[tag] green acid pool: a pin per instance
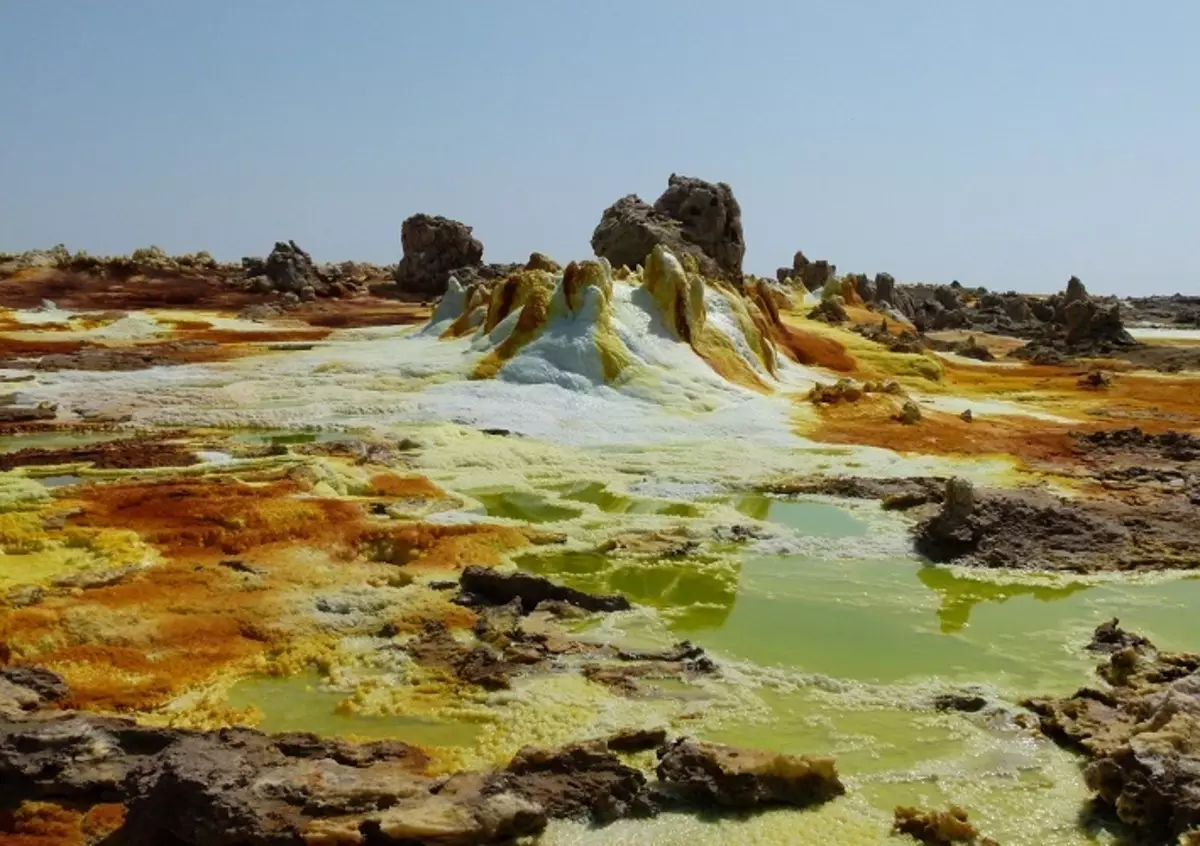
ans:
(842, 653)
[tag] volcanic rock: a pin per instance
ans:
(1142, 734)
(1027, 529)
(692, 218)
(483, 585)
(583, 779)
(435, 247)
(290, 269)
(713, 774)
(46, 686)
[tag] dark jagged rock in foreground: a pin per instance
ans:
(1035, 530)
(1142, 734)
(239, 786)
(485, 585)
(692, 218)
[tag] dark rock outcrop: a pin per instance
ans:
(811, 274)
(1142, 734)
(692, 218)
(434, 248)
(239, 786)
(47, 686)
(1077, 324)
(1027, 529)
(291, 270)
(483, 585)
(712, 774)
(580, 780)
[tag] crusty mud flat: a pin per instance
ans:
(639, 548)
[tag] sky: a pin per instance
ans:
(1007, 144)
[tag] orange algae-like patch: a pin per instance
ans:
(800, 345)
(182, 325)
(136, 644)
(102, 820)
(22, 348)
(814, 350)
(430, 546)
(215, 515)
(869, 422)
(47, 824)
(391, 485)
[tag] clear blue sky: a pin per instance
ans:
(1009, 144)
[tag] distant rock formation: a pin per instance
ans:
(1076, 324)
(435, 247)
(691, 218)
(290, 268)
(811, 274)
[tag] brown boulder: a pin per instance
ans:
(746, 778)
(692, 217)
(434, 247)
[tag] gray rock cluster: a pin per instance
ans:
(692, 218)
(290, 271)
(811, 274)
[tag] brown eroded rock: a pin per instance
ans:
(713, 774)
(691, 218)
(1142, 733)
(240, 786)
(937, 828)
(583, 779)
(1027, 529)
(434, 247)
(290, 269)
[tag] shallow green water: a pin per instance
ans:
(56, 440)
(843, 656)
(881, 620)
(300, 703)
(524, 506)
(285, 437)
(598, 494)
(811, 518)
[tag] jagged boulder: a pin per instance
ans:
(712, 774)
(435, 247)
(291, 269)
(691, 218)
